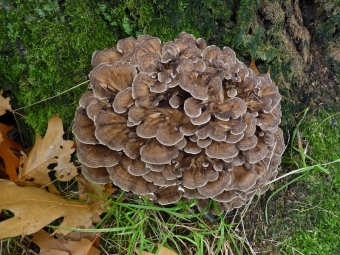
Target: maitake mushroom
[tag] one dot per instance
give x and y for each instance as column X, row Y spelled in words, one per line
column 179, row 120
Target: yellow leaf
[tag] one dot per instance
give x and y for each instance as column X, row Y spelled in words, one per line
column 4, row 104
column 53, row 246
column 163, row 251
column 34, row 208
column 52, row 149
column 10, row 159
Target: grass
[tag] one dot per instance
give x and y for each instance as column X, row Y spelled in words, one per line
column 321, row 205
column 308, row 219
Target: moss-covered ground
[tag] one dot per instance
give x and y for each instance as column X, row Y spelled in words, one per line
column 46, row 48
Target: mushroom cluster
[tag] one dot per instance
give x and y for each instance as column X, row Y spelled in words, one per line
column 179, row 120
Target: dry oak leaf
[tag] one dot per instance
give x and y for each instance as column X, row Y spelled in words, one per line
column 6, row 146
column 52, row 149
column 52, row 246
column 163, row 251
column 34, row 208
column 4, row 104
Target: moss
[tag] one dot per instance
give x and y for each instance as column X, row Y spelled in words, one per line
column 46, row 45
column 48, row 50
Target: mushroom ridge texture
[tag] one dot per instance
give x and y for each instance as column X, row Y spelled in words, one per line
column 179, row 120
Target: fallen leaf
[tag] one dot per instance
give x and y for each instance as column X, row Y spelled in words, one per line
column 4, row 104
column 34, row 208
column 253, row 67
column 51, row 245
column 52, row 149
column 92, row 236
column 6, row 146
column 47, row 243
column 162, row 251
column 95, row 194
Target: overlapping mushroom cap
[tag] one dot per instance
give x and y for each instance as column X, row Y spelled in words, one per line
column 179, row 120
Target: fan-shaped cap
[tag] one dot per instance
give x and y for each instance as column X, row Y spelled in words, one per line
column 233, row 108
column 212, row 189
column 98, row 175
column 123, row 100
column 86, row 96
column 257, row 153
column 83, row 127
column 211, row 52
column 242, row 178
column 192, row 148
column 269, row 122
column 247, row 143
column 95, row 106
column 97, row 155
column 141, row 91
column 105, row 56
column 123, row 179
column 152, row 44
column 155, row 153
column 126, row 45
column 202, row 119
column 169, row 195
column 138, row 168
column 149, row 62
column 193, row 177
column 221, row 150
column 201, row 43
column 169, row 134
column 108, row 79
column 203, row 143
column 111, row 130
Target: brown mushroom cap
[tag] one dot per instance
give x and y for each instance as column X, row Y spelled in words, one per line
column 109, row 78
column 97, row 155
column 123, row 100
column 83, row 127
column 105, row 56
column 123, row 179
column 98, row 175
column 179, row 120
column 169, row 195
column 126, row 45
column 155, row 153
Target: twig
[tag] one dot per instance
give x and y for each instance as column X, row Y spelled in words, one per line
column 52, row 96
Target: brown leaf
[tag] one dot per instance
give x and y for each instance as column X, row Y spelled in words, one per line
column 253, row 67
column 34, row 208
column 4, row 104
column 53, row 246
column 95, row 194
column 52, row 149
column 162, row 251
column 10, row 159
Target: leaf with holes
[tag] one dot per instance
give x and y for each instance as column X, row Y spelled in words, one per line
column 52, row 149
column 34, row 208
